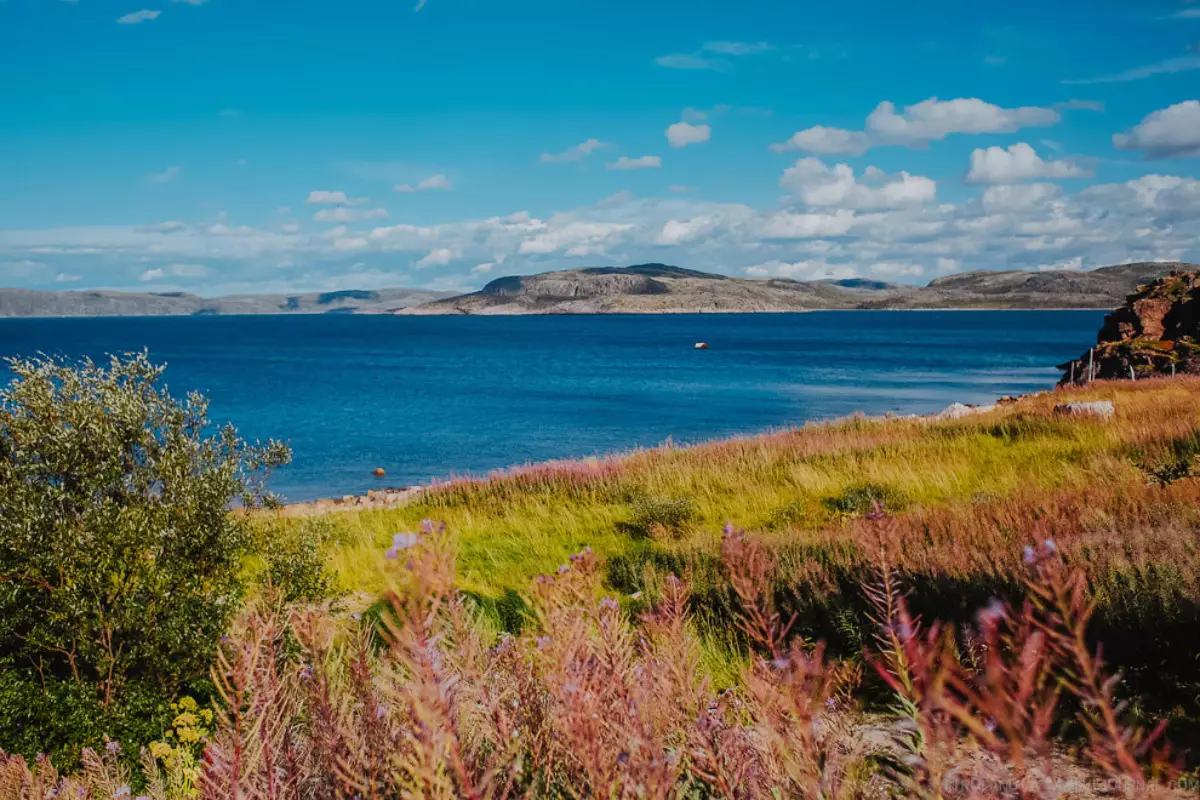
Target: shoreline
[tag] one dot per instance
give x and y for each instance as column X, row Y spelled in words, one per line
column 392, row 497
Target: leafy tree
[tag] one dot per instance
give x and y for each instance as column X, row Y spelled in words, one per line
column 120, row 555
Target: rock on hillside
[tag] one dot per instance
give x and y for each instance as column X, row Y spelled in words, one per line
column 1156, row 331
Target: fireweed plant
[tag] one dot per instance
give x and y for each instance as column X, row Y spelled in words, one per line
column 589, row 702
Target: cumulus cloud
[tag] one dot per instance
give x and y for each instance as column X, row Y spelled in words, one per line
column 433, row 182
column 641, row 162
column 918, row 125
column 438, row 257
column 933, row 119
column 152, row 275
column 137, row 17
column 788, row 225
column 1020, row 162
column 576, row 153
column 343, row 214
column 816, row 184
column 327, row 198
column 572, row 235
column 825, row 141
column 681, row 134
column 1172, row 132
column 812, row 270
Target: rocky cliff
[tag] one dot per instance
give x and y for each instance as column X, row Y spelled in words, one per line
column 1156, row 332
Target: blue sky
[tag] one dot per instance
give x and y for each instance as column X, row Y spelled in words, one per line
column 218, row 146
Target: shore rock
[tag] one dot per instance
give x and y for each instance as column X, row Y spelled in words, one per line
column 1156, row 332
column 1100, row 408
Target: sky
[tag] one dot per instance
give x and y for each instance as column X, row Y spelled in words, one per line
column 234, row 146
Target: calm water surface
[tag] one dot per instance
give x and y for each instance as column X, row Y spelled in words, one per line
column 427, row 397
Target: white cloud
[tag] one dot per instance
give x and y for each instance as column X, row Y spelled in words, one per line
column 571, row 234
column 681, row 134
column 933, row 119
column 187, row 270
column 170, row 226
column 576, row 153
column 815, row 184
column 433, row 182
column 166, row 176
column 1168, row 67
column 918, row 125
column 787, row 225
column 1018, row 197
column 1070, row 264
column 327, row 198
column 482, row 269
column 677, row 231
column 137, row 17
column 704, row 58
column 151, row 275
column 1171, row 132
column 342, row 214
column 813, row 270
column 290, row 227
column 350, row 243
column 691, row 61
column 825, row 141
column 439, row 257
column 1020, row 162
column 641, row 162
column 67, row 277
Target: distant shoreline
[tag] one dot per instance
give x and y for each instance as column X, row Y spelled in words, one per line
column 555, row 314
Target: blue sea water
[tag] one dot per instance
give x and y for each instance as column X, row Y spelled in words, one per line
column 432, row 397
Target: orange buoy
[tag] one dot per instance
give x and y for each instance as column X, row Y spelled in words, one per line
column 379, row 473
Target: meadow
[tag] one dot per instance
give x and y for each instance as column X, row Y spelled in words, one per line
column 965, row 498
column 1002, row 604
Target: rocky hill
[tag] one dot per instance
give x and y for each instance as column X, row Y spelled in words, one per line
column 1156, row 332
column 639, row 289
column 662, row 289
column 27, row 303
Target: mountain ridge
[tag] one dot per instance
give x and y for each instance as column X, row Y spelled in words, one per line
column 636, row 289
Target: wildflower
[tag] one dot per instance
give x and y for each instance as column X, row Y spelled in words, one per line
column 188, row 703
column 831, row 703
column 356, row 616
column 543, row 642
column 306, row 672
column 122, row 791
column 161, row 750
column 564, row 569
column 1028, row 554
column 1050, row 546
column 112, row 748
column 780, row 663
column 403, row 541
column 608, row 604
column 992, row 613
column 990, row 724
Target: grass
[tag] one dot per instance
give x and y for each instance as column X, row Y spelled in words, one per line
column 965, row 498
column 804, row 485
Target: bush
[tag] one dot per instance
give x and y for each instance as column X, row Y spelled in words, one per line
column 654, row 515
column 295, row 560
column 120, row 564
column 862, row 497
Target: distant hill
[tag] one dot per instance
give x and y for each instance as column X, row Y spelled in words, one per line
column 638, row 289
column 27, row 303
column 663, row 289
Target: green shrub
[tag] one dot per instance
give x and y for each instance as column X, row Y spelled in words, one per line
column 655, row 515
column 295, row 560
column 120, row 564
column 862, row 497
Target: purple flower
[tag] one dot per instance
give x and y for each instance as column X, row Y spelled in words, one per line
column 1050, row 546
column 1028, row 554
column 121, row 791
column 831, row 703
column 356, row 616
column 992, row 613
column 112, row 748
column 564, row 569
column 403, row 541
column 306, row 672
column 608, row 604
column 543, row 642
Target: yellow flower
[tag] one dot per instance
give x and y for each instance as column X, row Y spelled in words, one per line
column 186, row 720
column 206, row 715
column 188, row 704
column 161, row 750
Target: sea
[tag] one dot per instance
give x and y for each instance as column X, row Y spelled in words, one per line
column 432, row 398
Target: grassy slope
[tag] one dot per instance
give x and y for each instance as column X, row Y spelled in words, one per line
column 803, row 484
column 965, row 496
